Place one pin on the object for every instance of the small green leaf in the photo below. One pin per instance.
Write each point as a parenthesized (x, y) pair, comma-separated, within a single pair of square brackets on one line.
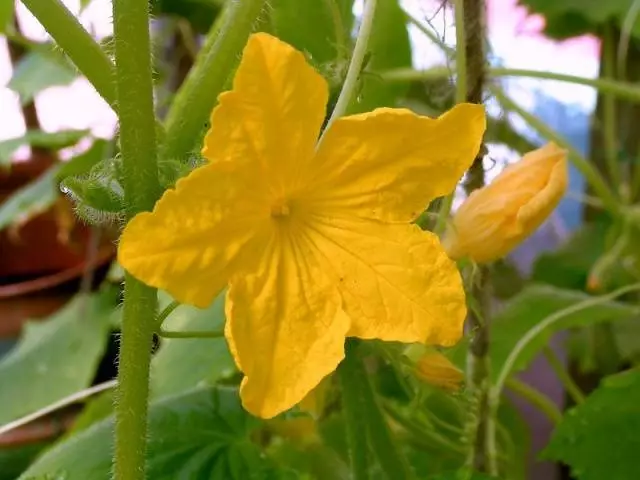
[(38, 138), (202, 433), (6, 15), (599, 438), (55, 357), (39, 69), (31, 200), (183, 363)]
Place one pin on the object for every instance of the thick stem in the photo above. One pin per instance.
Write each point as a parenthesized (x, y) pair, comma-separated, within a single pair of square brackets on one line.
[(206, 80), (76, 42), (365, 419), (355, 66), (483, 456), (132, 397), (356, 422), (142, 189)]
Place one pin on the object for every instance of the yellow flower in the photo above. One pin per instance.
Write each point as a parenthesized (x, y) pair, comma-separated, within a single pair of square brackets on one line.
[(436, 369), (496, 218), (314, 241)]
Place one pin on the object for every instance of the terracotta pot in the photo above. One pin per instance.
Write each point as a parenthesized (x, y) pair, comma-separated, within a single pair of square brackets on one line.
[(39, 270)]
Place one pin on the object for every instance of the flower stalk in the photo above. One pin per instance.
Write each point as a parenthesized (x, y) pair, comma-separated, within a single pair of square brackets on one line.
[(138, 146)]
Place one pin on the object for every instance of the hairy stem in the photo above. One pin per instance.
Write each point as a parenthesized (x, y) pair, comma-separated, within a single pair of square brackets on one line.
[(76, 42), (483, 455), (141, 187), (206, 80)]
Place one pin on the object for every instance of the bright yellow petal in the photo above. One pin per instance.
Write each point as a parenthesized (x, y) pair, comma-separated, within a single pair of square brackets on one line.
[(390, 163), (272, 115), (396, 281), (285, 326), (208, 226)]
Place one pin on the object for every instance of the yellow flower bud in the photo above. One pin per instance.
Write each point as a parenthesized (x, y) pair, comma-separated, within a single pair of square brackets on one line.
[(436, 369), (496, 218)]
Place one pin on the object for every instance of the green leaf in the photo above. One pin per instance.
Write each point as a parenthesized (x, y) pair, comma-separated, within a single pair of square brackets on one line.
[(202, 433), (389, 48), (599, 438), (31, 200), (568, 18), (315, 27), (183, 363), (39, 69), (55, 357), (533, 305), (38, 138), (569, 265), (6, 15)]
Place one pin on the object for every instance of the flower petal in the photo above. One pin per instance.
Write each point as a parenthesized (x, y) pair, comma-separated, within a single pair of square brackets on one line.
[(285, 326), (197, 233), (396, 281), (390, 163), (272, 115)]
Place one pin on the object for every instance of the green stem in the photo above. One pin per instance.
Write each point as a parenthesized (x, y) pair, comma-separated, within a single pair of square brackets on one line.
[(76, 42), (138, 325), (141, 189), (190, 334), (461, 96), (355, 66), (164, 314), (623, 90), (609, 112), (461, 53), (206, 80), (567, 382), (356, 422), (537, 399), (355, 383), (547, 322), (585, 167)]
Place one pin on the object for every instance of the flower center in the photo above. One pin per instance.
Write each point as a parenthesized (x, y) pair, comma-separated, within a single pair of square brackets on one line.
[(280, 209)]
